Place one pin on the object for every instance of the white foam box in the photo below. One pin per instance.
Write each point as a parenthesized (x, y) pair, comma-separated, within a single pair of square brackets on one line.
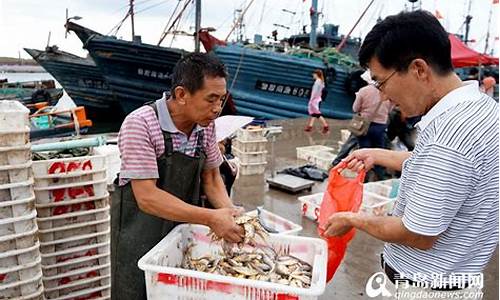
[(307, 152), (310, 205), (251, 133), (278, 223), (250, 157), (165, 280), (250, 146)]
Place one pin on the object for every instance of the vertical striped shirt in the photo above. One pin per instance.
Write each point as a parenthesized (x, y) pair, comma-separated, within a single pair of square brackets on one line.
[(449, 187), (141, 142)]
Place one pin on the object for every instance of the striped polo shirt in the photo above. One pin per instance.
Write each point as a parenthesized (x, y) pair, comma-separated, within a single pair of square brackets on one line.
[(141, 142), (449, 187)]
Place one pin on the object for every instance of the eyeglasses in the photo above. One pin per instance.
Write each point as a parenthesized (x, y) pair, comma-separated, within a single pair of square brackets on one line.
[(379, 84)]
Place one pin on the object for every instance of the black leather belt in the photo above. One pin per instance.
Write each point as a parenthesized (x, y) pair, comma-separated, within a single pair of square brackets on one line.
[(394, 276)]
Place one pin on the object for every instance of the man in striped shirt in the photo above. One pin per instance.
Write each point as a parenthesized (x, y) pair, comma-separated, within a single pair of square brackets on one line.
[(445, 220), (169, 153)]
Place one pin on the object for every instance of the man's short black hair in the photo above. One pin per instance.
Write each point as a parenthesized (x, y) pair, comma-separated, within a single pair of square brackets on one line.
[(191, 70), (401, 38)]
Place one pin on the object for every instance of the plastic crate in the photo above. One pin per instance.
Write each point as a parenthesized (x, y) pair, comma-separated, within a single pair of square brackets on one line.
[(310, 205), (15, 208), (251, 133), (31, 289), (15, 173), (16, 190), (60, 280), (19, 256), (323, 159), (252, 169), (97, 293), (15, 155), (164, 280), (76, 229), (18, 273), (18, 241), (13, 115), (307, 152), (77, 285), (73, 218), (278, 223), (65, 166), (69, 191), (250, 146), (72, 178), (377, 205), (18, 224), (250, 157), (15, 138), (74, 241), (64, 261), (72, 206)]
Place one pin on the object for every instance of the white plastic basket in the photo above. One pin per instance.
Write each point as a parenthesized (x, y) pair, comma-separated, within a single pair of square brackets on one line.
[(73, 218), (76, 229), (14, 155), (310, 205), (64, 261), (16, 274), (18, 240), (13, 115), (19, 137), (66, 166), (60, 280), (323, 159), (97, 293), (19, 256), (164, 280), (71, 178), (252, 169), (250, 133), (71, 191), (250, 157), (16, 190), (18, 224), (250, 146), (72, 206), (14, 208), (74, 242), (278, 223), (77, 285), (307, 152), (377, 205), (31, 289), (15, 173)]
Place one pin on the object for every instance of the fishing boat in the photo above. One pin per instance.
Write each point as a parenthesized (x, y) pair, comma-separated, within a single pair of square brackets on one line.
[(45, 122), (29, 92), (80, 78)]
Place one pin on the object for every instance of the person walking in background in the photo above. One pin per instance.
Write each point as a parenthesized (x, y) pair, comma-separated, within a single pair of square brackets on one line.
[(314, 102), (488, 85)]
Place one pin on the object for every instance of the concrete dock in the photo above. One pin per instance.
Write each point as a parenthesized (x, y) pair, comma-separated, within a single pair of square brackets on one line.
[(363, 254)]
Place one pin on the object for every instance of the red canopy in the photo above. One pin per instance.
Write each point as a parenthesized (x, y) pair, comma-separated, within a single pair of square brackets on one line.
[(463, 56)]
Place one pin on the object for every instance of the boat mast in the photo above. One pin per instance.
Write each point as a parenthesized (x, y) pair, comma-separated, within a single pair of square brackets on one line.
[(468, 18), (239, 21), (314, 24), (344, 40), (197, 25), (131, 12), (488, 32)]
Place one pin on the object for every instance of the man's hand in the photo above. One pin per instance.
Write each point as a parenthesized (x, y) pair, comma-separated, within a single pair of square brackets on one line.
[(360, 159), (223, 225), (338, 224)]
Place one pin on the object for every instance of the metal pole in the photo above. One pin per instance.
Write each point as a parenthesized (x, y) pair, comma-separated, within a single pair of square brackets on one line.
[(314, 24), (344, 40), (132, 17), (197, 26)]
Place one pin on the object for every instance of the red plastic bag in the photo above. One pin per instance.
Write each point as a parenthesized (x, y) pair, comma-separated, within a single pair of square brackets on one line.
[(342, 194)]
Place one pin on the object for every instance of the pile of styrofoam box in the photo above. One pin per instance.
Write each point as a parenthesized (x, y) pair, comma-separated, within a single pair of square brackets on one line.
[(20, 268), (379, 196), (166, 280), (250, 147), (319, 155), (73, 219)]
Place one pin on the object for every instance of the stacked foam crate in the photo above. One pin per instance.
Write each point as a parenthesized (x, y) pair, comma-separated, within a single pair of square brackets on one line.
[(20, 268), (73, 217), (250, 147)]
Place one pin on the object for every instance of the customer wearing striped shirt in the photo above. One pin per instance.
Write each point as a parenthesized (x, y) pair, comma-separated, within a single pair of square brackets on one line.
[(445, 219), (169, 153)]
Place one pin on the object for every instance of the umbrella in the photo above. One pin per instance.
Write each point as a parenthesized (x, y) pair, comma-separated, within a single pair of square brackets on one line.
[(225, 126)]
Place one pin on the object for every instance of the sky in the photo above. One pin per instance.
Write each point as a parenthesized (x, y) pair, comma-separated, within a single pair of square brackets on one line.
[(27, 23)]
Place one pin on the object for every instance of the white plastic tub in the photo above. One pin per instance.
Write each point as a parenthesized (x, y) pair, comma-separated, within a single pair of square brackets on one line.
[(18, 240), (71, 178), (19, 256), (12, 208), (280, 224), (307, 152), (66, 166), (97, 293), (377, 205), (252, 168), (72, 206), (63, 261), (16, 191), (74, 242), (20, 224), (30, 288), (15, 173), (70, 191), (60, 280), (16, 274), (14, 155), (323, 159), (73, 218), (13, 115), (250, 146), (77, 285), (77, 229), (250, 133), (19, 137), (164, 280), (250, 157), (310, 205)]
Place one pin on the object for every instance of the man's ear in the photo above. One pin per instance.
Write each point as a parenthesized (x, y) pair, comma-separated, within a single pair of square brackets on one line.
[(180, 94), (420, 68)]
